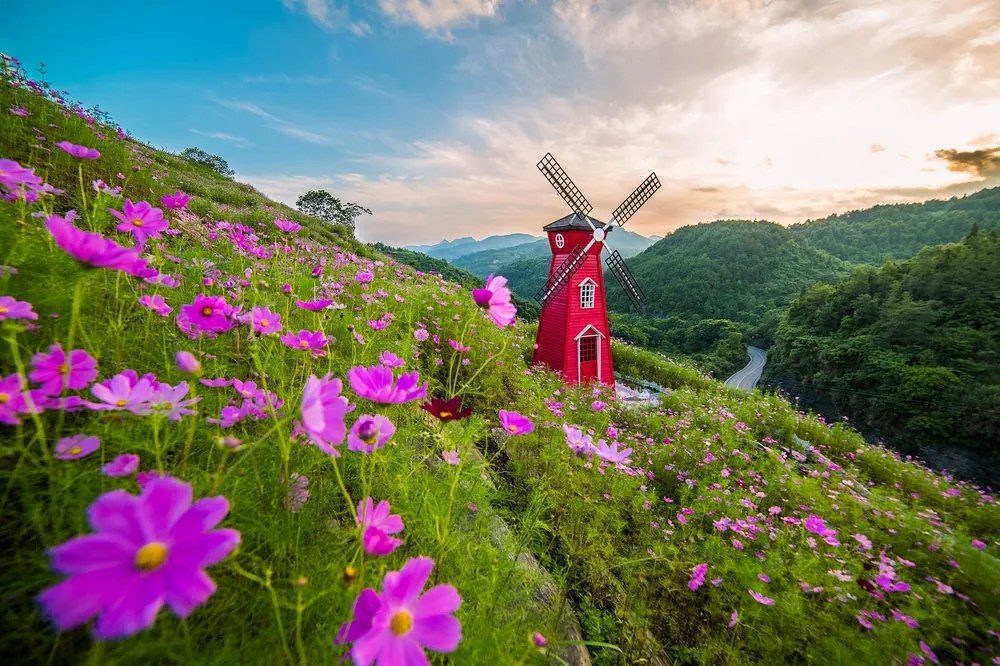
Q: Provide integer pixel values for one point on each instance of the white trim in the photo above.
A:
(587, 281)
(588, 327)
(560, 241)
(579, 364)
(587, 288)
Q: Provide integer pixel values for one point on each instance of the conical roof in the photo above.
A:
(573, 222)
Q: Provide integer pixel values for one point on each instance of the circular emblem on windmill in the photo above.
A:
(560, 241)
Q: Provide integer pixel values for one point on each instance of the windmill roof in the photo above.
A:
(572, 222)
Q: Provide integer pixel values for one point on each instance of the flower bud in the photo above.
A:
(188, 364)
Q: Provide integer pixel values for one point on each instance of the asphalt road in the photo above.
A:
(748, 377)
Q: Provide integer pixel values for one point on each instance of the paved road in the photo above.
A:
(748, 377)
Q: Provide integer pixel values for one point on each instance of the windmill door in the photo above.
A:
(589, 357)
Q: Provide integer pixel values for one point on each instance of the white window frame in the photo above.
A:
(560, 241)
(588, 294)
(588, 331)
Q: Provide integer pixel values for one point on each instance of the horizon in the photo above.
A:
(433, 113)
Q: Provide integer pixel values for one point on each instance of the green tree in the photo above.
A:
(322, 204)
(213, 162)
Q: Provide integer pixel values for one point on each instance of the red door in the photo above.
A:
(588, 348)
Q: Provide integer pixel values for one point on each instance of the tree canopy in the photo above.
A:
(322, 204)
(213, 162)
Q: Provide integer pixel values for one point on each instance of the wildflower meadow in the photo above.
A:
(231, 433)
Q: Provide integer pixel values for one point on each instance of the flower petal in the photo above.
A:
(94, 551)
(441, 633)
(439, 600)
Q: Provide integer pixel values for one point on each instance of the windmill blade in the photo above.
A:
(562, 183)
(563, 274)
(635, 200)
(625, 279)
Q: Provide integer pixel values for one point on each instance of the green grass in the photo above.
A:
(611, 539)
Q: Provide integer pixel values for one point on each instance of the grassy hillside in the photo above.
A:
(900, 231)
(737, 270)
(911, 351)
(720, 527)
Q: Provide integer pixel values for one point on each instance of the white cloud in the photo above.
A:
(326, 13)
(277, 123)
(238, 141)
(438, 14)
(361, 28)
(288, 79)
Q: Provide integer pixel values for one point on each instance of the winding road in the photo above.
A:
(748, 377)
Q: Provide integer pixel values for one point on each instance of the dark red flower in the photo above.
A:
(446, 410)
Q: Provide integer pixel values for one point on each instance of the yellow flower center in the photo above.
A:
(63, 369)
(151, 556)
(264, 323)
(136, 223)
(512, 427)
(121, 403)
(401, 623)
(4, 398)
(445, 415)
(303, 343)
(3, 310)
(207, 311)
(75, 451)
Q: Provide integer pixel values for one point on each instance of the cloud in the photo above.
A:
(277, 123)
(983, 163)
(288, 79)
(325, 13)
(435, 15)
(361, 28)
(238, 141)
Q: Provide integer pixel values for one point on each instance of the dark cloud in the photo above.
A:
(982, 163)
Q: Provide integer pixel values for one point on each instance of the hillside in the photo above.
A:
(910, 351)
(229, 487)
(737, 270)
(452, 249)
(900, 231)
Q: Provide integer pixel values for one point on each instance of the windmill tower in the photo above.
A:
(573, 332)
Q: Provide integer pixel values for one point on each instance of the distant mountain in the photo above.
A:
(730, 269)
(900, 231)
(452, 249)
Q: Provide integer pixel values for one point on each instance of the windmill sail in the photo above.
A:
(561, 275)
(625, 278)
(562, 183)
(635, 200)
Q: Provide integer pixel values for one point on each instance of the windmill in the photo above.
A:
(573, 332)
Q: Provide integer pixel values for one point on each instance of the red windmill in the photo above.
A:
(573, 332)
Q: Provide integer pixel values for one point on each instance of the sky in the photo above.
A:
(433, 113)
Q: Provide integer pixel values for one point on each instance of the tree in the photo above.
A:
(322, 204)
(213, 162)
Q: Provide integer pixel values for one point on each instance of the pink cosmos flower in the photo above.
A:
(578, 442)
(172, 401)
(392, 628)
(19, 111)
(314, 306)
(515, 424)
(376, 383)
(123, 391)
(495, 298)
(95, 249)
(377, 525)
(81, 152)
(147, 551)
(155, 303)
(14, 309)
(141, 220)
(187, 363)
(124, 465)
(12, 400)
(323, 411)
(175, 201)
(207, 313)
(977, 544)
(390, 360)
(760, 598)
(77, 446)
(610, 452)
(370, 433)
(733, 619)
(697, 576)
(264, 321)
(364, 277)
(56, 371)
(450, 457)
(598, 405)
(287, 226)
(305, 340)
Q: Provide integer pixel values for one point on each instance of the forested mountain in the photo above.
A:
(900, 231)
(452, 249)
(732, 269)
(910, 351)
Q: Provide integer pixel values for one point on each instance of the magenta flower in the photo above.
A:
(207, 313)
(515, 424)
(141, 220)
(697, 576)
(19, 111)
(95, 249)
(82, 152)
(314, 306)
(265, 322)
(175, 201)
(376, 526)
(390, 360)
(369, 433)
(761, 599)
(450, 457)
(287, 226)
(147, 551)
(394, 627)
(123, 391)
(56, 371)
(12, 400)
(610, 453)
(377, 384)
(323, 411)
(124, 465)
(77, 446)
(187, 363)
(14, 309)
(305, 340)
(495, 298)
(298, 492)
(156, 304)
(977, 544)
(364, 277)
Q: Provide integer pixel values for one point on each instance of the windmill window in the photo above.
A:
(588, 348)
(587, 295)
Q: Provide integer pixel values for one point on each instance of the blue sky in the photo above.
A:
(434, 112)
